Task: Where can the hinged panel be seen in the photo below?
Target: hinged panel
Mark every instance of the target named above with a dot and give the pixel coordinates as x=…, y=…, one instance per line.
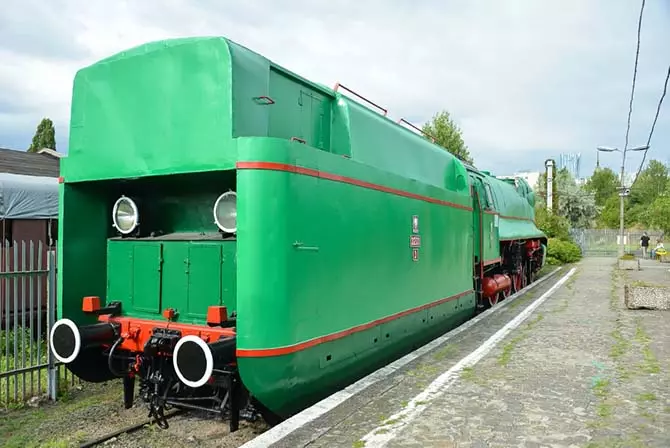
x=120, y=272
x=204, y=278
x=175, y=276
x=147, y=277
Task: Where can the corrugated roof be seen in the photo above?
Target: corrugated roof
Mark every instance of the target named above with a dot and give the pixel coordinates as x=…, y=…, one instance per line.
x=28, y=163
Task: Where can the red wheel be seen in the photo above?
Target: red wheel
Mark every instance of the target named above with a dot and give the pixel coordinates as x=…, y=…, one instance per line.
x=516, y=282
x=522, y=277
x=505, y=293
x=493, y=299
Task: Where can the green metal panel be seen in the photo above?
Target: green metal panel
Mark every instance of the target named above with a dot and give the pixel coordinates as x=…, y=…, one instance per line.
x=476, y=218
x=488, y=240
x=299, y=111
x=174, y=95
x=120, y=270
x=146, y=278
x=81, y=250
x=204, y=278
x=176, y=267
x=287, y=292
x=229, y=275
x=379, y=142
x=515, y=206
x=134, y=276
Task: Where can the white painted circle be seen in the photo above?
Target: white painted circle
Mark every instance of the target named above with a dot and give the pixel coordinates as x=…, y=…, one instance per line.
x=209, y=366
x=77, y=340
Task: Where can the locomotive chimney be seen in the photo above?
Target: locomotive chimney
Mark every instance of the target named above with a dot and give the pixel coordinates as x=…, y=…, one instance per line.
x=194, y=360
x=67, y=340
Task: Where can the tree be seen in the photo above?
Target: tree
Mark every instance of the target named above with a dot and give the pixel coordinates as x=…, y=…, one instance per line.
x=448, y=135
x=603, y=184
x=552, y=225
x=651, y=183
x=659, y=213
x=45, y=136
x=574, y=203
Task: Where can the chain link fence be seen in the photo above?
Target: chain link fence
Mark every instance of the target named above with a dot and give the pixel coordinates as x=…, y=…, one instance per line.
x=605, y=242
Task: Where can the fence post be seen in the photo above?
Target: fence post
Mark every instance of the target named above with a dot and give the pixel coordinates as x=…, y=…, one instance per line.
x=52, y=369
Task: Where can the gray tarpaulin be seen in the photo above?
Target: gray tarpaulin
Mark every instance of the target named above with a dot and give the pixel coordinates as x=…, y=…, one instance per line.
x=28, y=197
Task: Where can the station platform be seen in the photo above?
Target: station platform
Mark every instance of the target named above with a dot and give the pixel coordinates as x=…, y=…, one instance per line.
x=563, y=365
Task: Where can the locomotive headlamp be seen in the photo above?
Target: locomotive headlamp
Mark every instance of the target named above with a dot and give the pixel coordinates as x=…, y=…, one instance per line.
x=225, y=212
x=125, y=215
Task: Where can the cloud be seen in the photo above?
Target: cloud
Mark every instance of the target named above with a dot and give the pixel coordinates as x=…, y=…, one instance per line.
x=525, y=80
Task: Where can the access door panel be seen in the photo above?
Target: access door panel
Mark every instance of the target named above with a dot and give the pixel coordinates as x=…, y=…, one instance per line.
x=147, y=277
x=204, y=279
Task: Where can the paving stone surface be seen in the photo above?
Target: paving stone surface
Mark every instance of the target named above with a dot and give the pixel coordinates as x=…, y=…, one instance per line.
x=580, y=371
x=583, y=371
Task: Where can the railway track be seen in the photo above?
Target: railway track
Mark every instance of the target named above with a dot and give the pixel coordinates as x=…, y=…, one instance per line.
x=193, y=429
x=128, y=429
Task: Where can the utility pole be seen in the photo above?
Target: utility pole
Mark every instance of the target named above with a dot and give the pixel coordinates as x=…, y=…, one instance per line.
x=623, y=191
x=549, y=170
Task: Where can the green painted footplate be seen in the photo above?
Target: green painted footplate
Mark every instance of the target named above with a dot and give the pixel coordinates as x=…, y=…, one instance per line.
x=341, y=267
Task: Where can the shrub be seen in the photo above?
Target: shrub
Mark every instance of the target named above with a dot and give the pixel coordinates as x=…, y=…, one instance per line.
x=553, y=261
x=562, y=251
x=552, y=225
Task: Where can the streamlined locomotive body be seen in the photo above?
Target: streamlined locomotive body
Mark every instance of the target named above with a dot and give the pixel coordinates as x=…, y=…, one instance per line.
x=239, y=239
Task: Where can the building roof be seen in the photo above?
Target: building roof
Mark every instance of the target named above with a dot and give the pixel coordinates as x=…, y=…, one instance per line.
x=29, y=163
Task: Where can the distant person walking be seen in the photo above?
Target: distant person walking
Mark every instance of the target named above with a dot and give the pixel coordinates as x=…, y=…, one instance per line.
x=644, y=243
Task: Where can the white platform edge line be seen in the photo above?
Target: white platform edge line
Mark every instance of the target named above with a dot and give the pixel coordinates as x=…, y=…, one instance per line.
x=440, y=385
x=279, y=432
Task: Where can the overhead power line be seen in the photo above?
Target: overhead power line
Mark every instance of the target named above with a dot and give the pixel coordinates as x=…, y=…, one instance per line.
x=653, y=125
x=632, y=92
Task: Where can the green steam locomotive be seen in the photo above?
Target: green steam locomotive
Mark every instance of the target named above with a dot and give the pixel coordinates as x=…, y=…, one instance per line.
x=242, y=240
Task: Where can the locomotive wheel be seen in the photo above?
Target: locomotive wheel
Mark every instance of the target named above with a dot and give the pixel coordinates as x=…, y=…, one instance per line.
x=523, y=280
x=493, y=300
x=517, y=282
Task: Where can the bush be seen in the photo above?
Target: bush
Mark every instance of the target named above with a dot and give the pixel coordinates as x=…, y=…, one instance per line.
x=561, y=251
x=551, y=261
x=552, y=225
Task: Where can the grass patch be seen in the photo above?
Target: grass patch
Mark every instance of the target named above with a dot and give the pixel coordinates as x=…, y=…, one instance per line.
x=444, y=352
x=604, y=408
x=468, y=373
x=48, y=424
x=650, y=364
x=358, y=444
x=18, y=350
x=392, y=421
x=523, y=299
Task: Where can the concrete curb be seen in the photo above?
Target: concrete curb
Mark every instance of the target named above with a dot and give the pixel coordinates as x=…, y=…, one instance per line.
x=630, y=265
x=646, y=297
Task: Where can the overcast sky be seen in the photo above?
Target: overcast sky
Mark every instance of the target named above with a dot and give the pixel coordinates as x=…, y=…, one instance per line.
x=524, y=79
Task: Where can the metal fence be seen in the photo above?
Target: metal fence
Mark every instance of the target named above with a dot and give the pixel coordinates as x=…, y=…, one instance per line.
x=605, y=242
x=27, y=312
